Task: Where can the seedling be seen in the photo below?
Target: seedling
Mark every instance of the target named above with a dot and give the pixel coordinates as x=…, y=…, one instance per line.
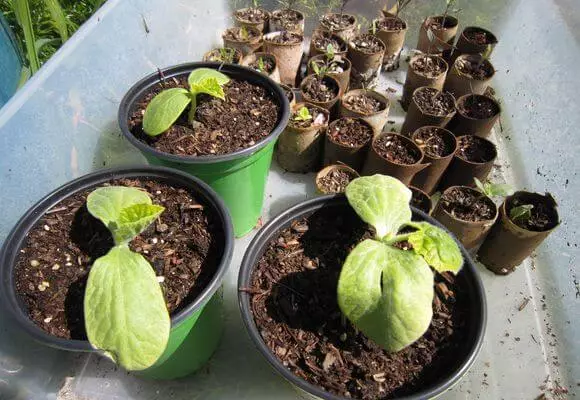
x=493, y=189
x=255, y=3
x=386, y=292
x=329, y=53
x=244, y=33
x=227, y=55
x=167, y=106
x=303, y=114
x=261, y=65
x=125, y=312
x=397, y=7
x=319, y=70
x=521, y=213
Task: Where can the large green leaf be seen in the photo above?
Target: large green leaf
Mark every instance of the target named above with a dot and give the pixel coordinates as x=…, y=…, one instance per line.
x=198, y=75
x=387, y=293
x=209, y=86
x=58, y=18
x=437, y=247
x=22, y=12
x=125, y=312
x=133, y=220
x=381, y=201
x=164, y=110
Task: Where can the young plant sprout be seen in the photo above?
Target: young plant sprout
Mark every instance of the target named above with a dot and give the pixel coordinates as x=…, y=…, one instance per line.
x=493, y=189
x=303, y=115
x=167, y=106
x=329, y=53
x=227, y=55
x=318, y=70
x=125, y=312
x=386, y=292
x=261, y=65
x=397, y=7
x=244, y=33
x=521, y=213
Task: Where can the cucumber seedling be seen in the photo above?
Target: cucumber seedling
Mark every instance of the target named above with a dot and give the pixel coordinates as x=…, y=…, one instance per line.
x=303, y=114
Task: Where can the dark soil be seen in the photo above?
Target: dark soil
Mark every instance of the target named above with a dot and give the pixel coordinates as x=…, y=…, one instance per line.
x=268, y=62
x=428, y=66
x=479, y=37
x=475, y=149
x=319, y=89
x=350, y=132
x=321, y=40
x=363, y=104
x=543, y=215
x=336, y=180
x=397, y=150
x=437, y=23
x=432, y=141
x=253, y=15
x=295, y=308
x=390, y=24
x=248, y=115
x=479, y=70
x=286, y=37
x=420, y=200
x=230, y=56
x=368, y=44
x=434, y=102
x=183, y=246
x=318, y=117
x=468, y=204
x=335, y=21
x=287, y=17
x=478, y=107
x=336, y=66
x=235, y=34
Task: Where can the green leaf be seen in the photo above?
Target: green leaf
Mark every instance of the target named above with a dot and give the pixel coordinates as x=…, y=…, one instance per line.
x=208, y=86
x=381, y=201
x=479, y=185
x=303, y=114
x=133, y=220
x=201, y=74
x=58, y=18
x=498, y=190
x=436, y=246
x=329, y=52
x=22, y=13
x=523, y=212
x=125, y=312
x=387, y=293
x=164, y=110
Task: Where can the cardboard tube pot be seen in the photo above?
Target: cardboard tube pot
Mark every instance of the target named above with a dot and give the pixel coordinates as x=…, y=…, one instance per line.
x=347, y=32
x=366, y=62
x=475, y=40
x=223, y=55
x=428, y=179
x=378, y=164
x=321, y=39
x=328, y=82
x=476, y=115
x=444, y=31
x=428, y=107
x=259, y=15
x=287, y=20
x=232, y=38
x=287, y=48
x=419, y=75
x=475, y=162
x=508, y=244
x=470, y=233
x=421, y=200
x=299, y=148
x=252, y=61
x=391, y=31
x=328, y=172
x=377, y=119
x=342, y=77
x=470, y=74
x=290, y=95
x=352, y=153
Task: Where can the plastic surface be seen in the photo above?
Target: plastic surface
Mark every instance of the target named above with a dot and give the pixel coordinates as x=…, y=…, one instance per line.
x=10, y=64
x=62, y=124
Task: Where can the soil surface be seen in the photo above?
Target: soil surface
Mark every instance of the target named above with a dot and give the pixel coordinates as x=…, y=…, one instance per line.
x=350, y=132
x=420, y=200
x=543, y=215
x=428, y=66
x=478, y=107
x=432, y=141
x=368, y=44
x=294, y=306
x=319, y=118
x=468, y=204
x=321, y=40
x=184, y=246
x=479, y=37
x=437, y=23
x=397, y=150
x=475, y=149
x=286, y=37
x=390, y=24
x=235, y=34
x=229, y=56
x=363, y=104
x=434, y=102
x=268, y=64
x=253, y=15
x=246, y=116
x=335, y=21
x=336, y=180
x=319, y=89
x=476, y=69
x=287, y=17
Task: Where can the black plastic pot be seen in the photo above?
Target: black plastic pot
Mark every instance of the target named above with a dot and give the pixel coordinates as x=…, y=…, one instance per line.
x=182, y=323
x=478, y=312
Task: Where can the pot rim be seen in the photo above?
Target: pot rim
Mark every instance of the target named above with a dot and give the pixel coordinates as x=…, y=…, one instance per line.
x=133, y=94
x=330, y=34
x=259, y=54
x=252, y=41
x=405, y=25
x=326, y=170
x=301, y=104
x=352, y=47
x=479, y=29
x=370, y=139
x=462, y=99
x=483, y=222
x=472, y=56
x=264, y=11
x=342, y=58
x=274, y=14
x=424, y=194
x=505, y=215
x=374, y=94
x=446, y=132
x=451, y=17
x=352, y=18
x=14, y=241
x=267, y=36
x=493, y=146
x=451, y=113
x=291, y=90
x=268, y=231
x=237, y=53
x=406, y=139
x=416, y=56
x=308, y=100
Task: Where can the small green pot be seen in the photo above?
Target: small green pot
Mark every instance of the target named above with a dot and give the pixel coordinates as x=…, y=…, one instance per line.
x=240, y=177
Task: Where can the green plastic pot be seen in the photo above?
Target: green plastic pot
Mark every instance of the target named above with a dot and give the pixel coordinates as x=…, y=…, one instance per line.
x=239, y=177
x=195, y=330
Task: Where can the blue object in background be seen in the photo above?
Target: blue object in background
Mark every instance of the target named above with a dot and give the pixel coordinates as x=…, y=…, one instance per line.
x=10, y=63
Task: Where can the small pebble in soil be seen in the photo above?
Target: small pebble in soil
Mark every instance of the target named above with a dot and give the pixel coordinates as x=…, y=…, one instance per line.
x=34, y=263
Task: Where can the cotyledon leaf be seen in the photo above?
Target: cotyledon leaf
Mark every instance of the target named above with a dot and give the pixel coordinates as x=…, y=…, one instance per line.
x=164, y=110
x=387, y=293
x=198, y=75
x=209, y=86
x=437, y=247
x=107, y=203
x=133, y=220
x=125, y=312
